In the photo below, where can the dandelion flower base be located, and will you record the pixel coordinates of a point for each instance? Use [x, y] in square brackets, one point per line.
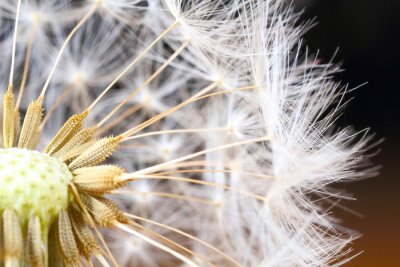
[33, 183]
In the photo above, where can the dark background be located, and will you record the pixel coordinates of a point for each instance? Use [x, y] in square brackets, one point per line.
[367, 33]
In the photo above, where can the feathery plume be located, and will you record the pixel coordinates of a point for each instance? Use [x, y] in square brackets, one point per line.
[169, 133]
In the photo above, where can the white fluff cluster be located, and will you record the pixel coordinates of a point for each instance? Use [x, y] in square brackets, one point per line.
[234, 166]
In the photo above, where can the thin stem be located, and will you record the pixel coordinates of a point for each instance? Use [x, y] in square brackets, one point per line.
[251, 87]
[199, 96]
[14, 46]
[186, 164]
[139, 57]
[167, 240]
[64, 45]
[156, 244]
[185, 235]
[102, 260]
[200, 182]
[177, 132]
[167, 112]
[166, 195]
[258, 175]
[135, 145]
[129, 112]
[66, 91]
[184, 158]
[203, 163]
[145, 83]
[26, 66]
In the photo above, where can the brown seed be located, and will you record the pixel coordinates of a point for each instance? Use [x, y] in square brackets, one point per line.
[86, 242]
[66, 133]
[104, 211]
[36, 139]
[34, 243]
[98, 180]
[72, 154]
[66, 240]
[8, 119]
[17, 126]
[53, 251]
[12, 236]
[82, 137]
[96, 153]
[31, 124]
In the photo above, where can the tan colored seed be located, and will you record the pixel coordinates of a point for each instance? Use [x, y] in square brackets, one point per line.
[104, 211]
[17, 126]
[96, 153]
[70, 128]
[53, 251]
[82, 137]
[98, 180]
[72, 154]
[86, 242]
[31, 124]
[34, 243]
[12, 237]
[66, 240]
[36, 139]
[8, 119]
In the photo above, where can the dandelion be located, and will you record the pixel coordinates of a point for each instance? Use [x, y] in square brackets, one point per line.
[168, 133]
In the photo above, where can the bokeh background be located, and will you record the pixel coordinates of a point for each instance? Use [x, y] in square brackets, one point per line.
[367, 33]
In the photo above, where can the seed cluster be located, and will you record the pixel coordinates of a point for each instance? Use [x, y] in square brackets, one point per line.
[33, 183]
[51, 202]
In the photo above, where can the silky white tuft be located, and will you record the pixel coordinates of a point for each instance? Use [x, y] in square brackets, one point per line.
[223, 121]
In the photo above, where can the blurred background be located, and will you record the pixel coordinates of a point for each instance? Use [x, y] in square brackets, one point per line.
[367, 34]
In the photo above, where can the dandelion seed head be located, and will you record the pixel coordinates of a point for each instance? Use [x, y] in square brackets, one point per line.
[169, 133]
